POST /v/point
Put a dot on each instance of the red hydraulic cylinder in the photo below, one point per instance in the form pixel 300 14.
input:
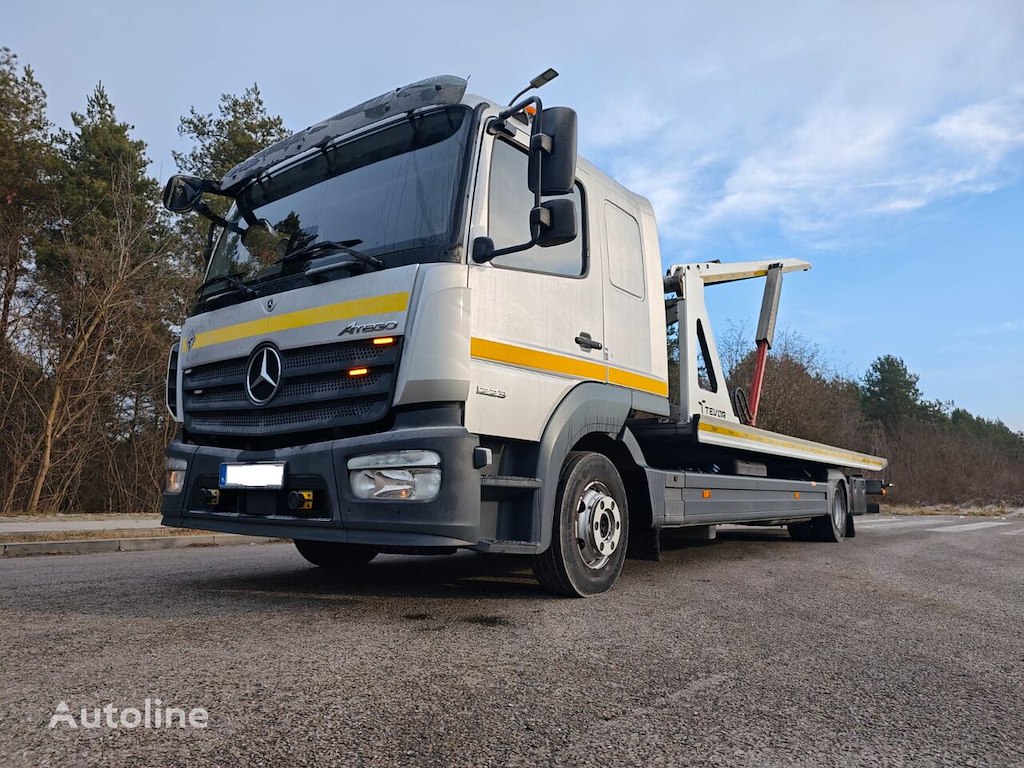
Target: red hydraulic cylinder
pixel 758 380
pixel 765 333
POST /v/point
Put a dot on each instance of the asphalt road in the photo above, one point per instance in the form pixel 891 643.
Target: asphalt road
pixel 904 646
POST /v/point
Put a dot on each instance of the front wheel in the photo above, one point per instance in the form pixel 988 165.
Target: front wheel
pixel 590 529
pixel 335 555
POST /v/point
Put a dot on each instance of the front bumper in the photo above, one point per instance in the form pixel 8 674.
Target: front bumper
pixel 453 519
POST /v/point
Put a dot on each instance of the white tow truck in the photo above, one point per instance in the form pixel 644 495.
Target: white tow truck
pixel 428 325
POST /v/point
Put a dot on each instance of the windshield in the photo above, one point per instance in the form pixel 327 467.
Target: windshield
pixel 389 195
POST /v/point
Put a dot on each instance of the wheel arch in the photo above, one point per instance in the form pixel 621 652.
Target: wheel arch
pixel 591 417
pixel 624 454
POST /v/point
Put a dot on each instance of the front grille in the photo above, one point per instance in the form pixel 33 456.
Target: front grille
pixel 315 393
pixel 257 422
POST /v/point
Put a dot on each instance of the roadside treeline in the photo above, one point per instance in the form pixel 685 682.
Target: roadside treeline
pixel 937 453
pixel 95 278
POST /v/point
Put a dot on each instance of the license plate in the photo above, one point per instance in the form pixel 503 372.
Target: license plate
pixel 252 475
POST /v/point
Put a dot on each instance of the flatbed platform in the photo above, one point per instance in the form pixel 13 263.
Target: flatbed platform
pixel 722 433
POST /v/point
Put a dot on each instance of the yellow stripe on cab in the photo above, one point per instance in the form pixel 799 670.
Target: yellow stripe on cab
pixel 328 313
pixel 550 362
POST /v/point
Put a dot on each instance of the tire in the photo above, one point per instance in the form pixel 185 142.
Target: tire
pixel 801 531
pixel 335 555
pixel 832 527
pixel 590 530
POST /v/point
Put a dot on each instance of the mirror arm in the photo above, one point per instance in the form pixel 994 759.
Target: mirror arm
pixel 540 217
pixel 213 187
pixel 540 142
pixel 204 210
pixel 519 107
pixel 483 258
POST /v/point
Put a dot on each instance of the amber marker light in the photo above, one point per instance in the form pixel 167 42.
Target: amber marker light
pixel 358 371
pixel 384 340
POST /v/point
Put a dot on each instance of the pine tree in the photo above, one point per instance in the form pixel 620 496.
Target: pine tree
pixel 103 290
pixel 889 392
pixel 241 129
pixel 26 161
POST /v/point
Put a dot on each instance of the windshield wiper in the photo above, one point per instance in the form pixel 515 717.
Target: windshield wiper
pixel 345 246
pixel 234 278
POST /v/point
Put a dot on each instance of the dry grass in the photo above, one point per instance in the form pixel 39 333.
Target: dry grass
pixel 51 518
pixel 130 533
pixel 963 510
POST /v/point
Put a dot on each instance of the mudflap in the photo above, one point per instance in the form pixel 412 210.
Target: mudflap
pixel 850 531
pixel 644 545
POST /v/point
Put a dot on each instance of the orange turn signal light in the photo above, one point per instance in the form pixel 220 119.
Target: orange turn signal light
pixel 384 340
pixel 358 371
pixel 706 494
pixel 530 109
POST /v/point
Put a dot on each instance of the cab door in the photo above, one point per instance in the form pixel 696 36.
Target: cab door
pixel 634 340
pixel 537 319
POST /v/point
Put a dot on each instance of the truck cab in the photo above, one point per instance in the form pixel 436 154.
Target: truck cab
pixel 427 325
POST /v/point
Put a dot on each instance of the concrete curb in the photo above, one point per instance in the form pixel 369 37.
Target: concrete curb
pixel 94 546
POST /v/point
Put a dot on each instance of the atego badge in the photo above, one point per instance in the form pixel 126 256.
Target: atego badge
pixel 358 328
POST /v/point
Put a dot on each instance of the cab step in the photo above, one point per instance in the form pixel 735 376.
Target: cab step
pixel 507 547
pixel 501 487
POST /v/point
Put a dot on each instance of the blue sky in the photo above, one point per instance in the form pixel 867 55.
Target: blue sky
pixel 883 141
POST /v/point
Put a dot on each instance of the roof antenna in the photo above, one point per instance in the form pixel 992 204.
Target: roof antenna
pixel 543 78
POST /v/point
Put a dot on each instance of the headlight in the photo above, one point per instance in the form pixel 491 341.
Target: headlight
pixel 401 475
pixel 175 469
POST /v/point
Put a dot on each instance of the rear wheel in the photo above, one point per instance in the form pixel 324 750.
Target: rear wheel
pixel 335 555
pixel 833 527
pixel 590 529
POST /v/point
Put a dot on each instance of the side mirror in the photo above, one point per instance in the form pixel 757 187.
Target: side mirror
pixel 483 250
pixel 557 219
pixel 182 193
pixel 553 145
pixel 554 222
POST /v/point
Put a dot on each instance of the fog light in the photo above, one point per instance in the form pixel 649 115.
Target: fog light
pixel 401 475
pixel 300 500
pixel 175 469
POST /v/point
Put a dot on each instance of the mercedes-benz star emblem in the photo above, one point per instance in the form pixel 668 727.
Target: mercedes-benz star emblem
pixel 263 375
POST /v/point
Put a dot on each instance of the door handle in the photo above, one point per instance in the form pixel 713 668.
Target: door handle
pixel 586 342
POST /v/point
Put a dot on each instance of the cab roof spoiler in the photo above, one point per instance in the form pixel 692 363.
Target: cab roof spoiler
pixel 434 91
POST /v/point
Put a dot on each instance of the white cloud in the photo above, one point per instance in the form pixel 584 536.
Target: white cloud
pixel 995 329
pixel 820 120
pixel 990 129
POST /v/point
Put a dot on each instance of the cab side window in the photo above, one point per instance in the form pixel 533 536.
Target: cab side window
pixel 509 218
pixel 625 250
